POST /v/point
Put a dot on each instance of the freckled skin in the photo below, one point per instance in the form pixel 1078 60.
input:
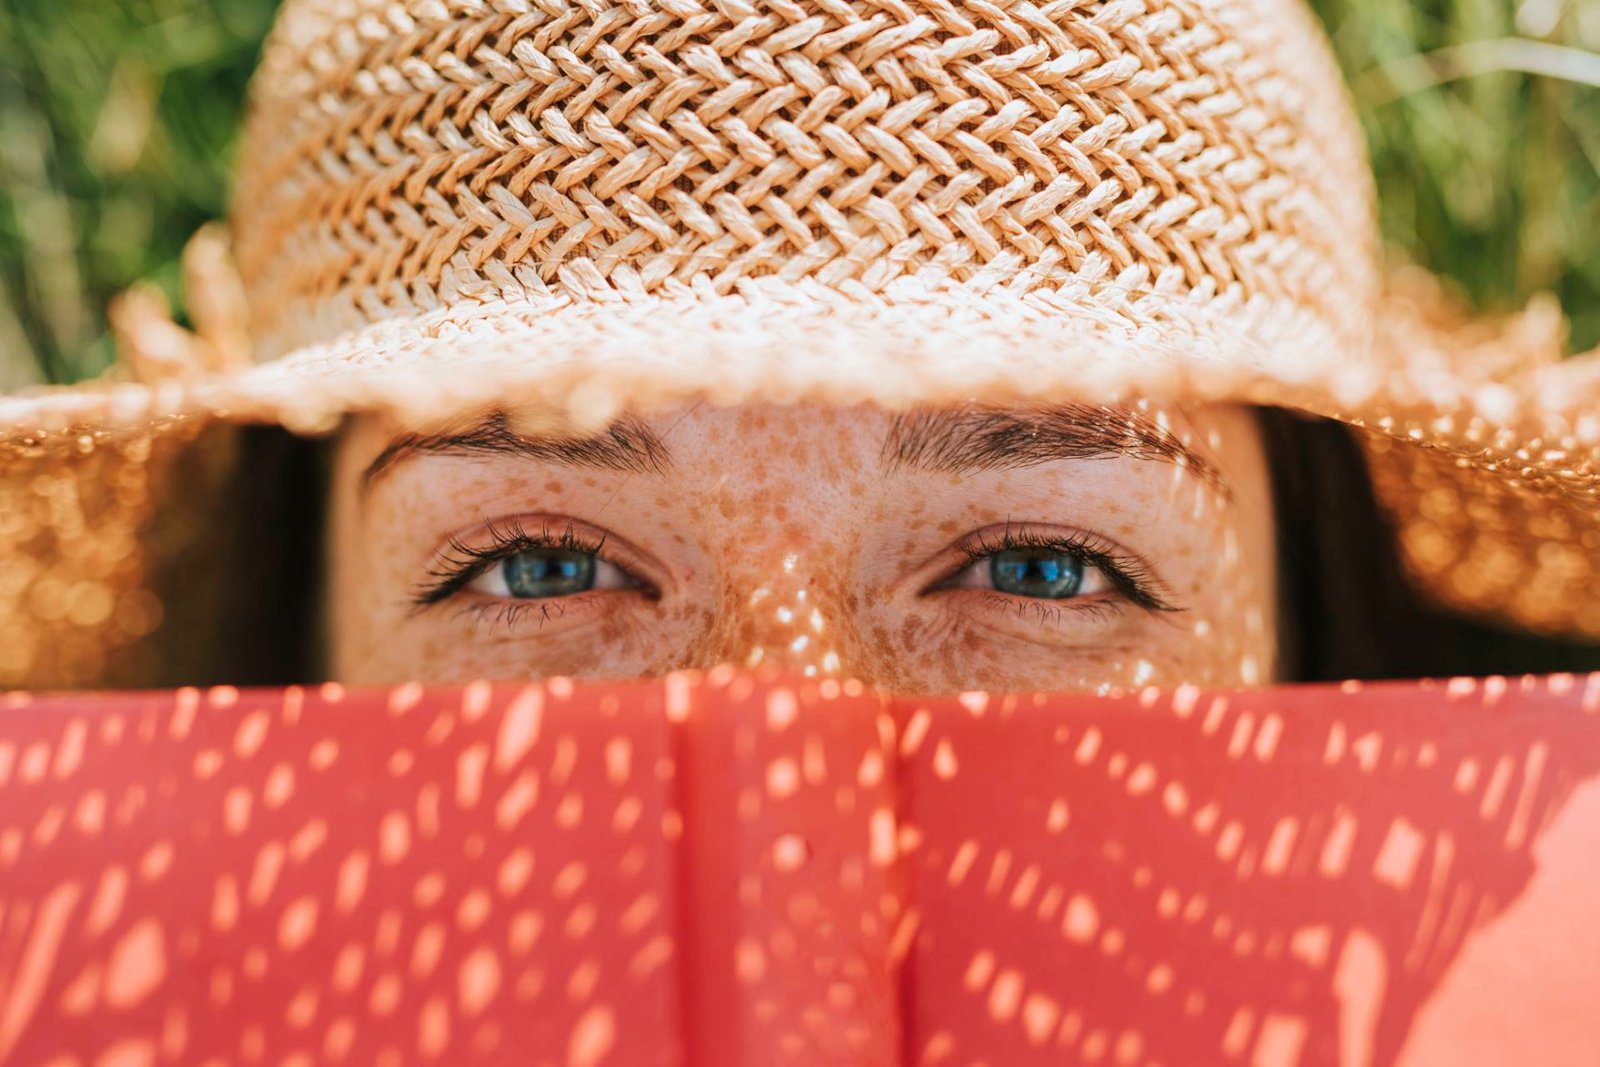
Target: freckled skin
pixel 777 537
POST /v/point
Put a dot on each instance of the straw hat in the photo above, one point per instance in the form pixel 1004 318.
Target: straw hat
pixel 618 203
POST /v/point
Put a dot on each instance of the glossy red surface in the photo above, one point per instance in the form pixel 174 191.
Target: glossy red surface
pixel 726 871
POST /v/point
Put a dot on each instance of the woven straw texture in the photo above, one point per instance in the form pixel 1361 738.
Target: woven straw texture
pixel 405 157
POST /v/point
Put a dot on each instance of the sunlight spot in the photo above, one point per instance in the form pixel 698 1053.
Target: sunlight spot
pixel 790 852
pixel 1039 1015
pixel 351 884
pixel 975 702
pixel 519 728
pixel 782 709
pixel 961 865
pixel 591 1038
pixel 517 800
pixel 394 837
pixel 108 899
pixel 138 964
pixel 297 924
pixel 916 731
pixel 515 870
pixel 475 701
pixel 979 970
pixel 478 981
pixel 251 734
pixel 264 875
pixel 1399 854
pixel 783 777
pixel 750 962
pixel 133 1052
pixel 1005 996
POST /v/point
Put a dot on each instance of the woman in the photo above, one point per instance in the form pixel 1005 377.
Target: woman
pixel 947 346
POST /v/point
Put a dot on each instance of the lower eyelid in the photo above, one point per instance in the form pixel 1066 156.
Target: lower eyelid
pixel 1087 615
pixel 508 612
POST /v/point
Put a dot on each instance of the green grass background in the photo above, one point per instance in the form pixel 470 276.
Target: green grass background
pixel 117 119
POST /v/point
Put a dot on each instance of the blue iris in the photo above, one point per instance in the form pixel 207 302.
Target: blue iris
pixel 548 572
pixel 1036 572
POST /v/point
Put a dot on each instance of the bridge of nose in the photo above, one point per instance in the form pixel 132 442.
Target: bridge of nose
pixel 783 602
pixel 785 515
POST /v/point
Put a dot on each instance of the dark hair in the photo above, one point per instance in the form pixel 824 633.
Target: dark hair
pixel 1347 609
pixel 241 595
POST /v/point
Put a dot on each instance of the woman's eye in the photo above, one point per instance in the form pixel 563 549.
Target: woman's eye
pixel 1038 573
pixel 543 573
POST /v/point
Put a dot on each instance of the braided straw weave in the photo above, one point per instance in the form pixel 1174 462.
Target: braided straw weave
pixel 619 203
pixel 404 157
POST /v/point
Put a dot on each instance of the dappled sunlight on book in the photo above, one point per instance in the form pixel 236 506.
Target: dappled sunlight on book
pixel 730 870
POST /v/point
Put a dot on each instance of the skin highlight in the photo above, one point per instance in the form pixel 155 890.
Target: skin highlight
pixel 816 540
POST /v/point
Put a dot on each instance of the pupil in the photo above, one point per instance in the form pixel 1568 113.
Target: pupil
pixel 1034 572
pixel 547 573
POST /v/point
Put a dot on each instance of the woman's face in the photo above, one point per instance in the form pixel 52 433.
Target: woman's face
pixel 936 550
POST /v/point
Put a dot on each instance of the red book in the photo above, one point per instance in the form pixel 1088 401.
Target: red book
pixel 729 871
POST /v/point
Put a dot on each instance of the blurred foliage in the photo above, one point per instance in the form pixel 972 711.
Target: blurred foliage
pixel 1483 118
pixel 116 120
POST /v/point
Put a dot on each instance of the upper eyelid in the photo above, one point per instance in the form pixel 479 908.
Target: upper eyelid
pixel 517 534
pixel 1130 573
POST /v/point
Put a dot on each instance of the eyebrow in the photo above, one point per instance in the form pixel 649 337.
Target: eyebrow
pixel 965 440
pixel 627 445
pixel 970 440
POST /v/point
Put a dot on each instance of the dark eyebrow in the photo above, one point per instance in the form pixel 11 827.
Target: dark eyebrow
pixel 627 445
pixel 967 440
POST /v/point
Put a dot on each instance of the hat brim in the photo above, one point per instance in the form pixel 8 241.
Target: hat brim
pixel 774 343
pixel 1484 448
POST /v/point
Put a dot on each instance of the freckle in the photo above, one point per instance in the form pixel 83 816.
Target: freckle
pixel 908 635
pixel 794 534
pixel 727 506
pixel 552 487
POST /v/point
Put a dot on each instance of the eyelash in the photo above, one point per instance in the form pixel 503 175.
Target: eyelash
pixel 1129 575
pixel 460 564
